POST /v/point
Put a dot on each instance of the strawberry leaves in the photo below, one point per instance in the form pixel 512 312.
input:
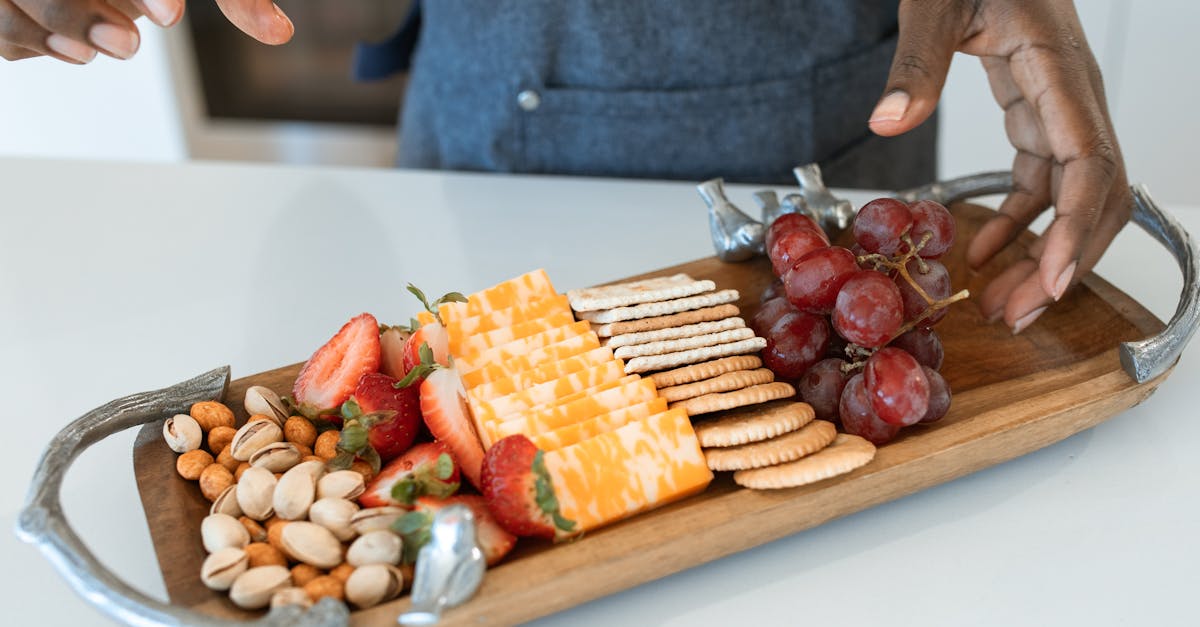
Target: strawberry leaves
pixel 420 371
pixel 544 495
pixel 422 481
pixel 450 297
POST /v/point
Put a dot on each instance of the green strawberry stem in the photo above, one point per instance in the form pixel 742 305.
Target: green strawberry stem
pixel 421 370
pixel 449 297
pixel 546 499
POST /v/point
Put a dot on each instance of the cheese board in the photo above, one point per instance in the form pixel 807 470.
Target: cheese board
pixel 1012 395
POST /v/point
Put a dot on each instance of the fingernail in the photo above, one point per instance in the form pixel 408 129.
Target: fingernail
pixel 70 48
pixel 117 41
pixel 1064 280
pixel 163 12
pixel 282 16
pixel 891 108
pixel 1027 319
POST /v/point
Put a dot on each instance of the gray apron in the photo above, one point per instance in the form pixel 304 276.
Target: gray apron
pixel 669 89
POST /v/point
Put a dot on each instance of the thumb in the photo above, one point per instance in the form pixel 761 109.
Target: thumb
pixel 261 19
pixel 929 34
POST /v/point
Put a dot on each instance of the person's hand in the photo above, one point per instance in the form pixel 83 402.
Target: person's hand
pixel 1044 76
pixel 74 30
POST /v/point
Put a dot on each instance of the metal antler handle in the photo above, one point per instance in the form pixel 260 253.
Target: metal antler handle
pixel 43 524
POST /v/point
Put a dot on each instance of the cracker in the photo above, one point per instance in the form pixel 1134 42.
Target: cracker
pixel 650 363
pixel 846 453
pixel 719 401
pixel 683 343
pixel 674 333
pixel 635 292
pixel 721 383
pixel 660 308
pixel 753 424
pixel 706 370
pixel 788 447
pixel 707 314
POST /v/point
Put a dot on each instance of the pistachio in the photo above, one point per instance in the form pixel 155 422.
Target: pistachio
pixel 296 490
pixel 252 437
pixel 376 518
pixel 334 515
pixel 312 544
pixel 340 484
pixel 264 401
pixel 222 567
pixel 374 547
pixel 182 433
pixel 219 531
pixel 254 588
pixel 226 503
pixel 255 492
pixel 291 596
pixel 277 456
pixel 374 584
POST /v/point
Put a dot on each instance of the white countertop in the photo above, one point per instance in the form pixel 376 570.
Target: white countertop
pixel 118 278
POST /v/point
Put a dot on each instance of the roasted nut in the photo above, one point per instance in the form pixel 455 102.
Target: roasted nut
pixel 409 571
pixel 214 480
pixel 371 585
pixel 242 466
pixel 376 518
pixel 324 586
pixel 255 587
pixel 252 437
pixel 220 531
pixel 304 450
pixel 220 437
pixel 342 572
pixel 313 458
pixel 255 493
pixel 277 456
pixel 275 535
pixel 225 458
pixel 312 544
pixel 226 503
pixel 363 468
pixel 220 569
pixel 263 554
pixel 264 402
pixel 304 573
pixel 257 532
pixel 291 596
pixel 325 446
pixel 298 430
pixel 340 484
pixel 192 464
pixel 374 547
pixel 182 433
pixel 297 490
pixel 334 515
pixel 211 414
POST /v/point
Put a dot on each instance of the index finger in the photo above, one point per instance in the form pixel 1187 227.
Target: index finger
pixel 261 19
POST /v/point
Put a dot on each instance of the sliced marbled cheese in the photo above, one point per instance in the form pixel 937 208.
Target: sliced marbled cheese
pixel 592 427
pixel 541 374
pixel 642 465
pixel 550 392
pixel 461 329
pixel 556 416
pixel 519 347
pixel 527 287
pixel 555 352
pixel 474 344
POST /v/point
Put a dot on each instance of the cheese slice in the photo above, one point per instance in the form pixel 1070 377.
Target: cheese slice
pixel 527 287
pixel 592 427
pixel 578 410
pixel 469 345
pixel 519 347
pixel 463 328
pixel 642 465
pixel 550 392
pixel 545 372
pixel 555 352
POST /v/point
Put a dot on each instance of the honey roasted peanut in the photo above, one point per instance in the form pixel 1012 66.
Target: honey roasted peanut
pixel 257 532
pixel 325 446
pixel 325 586
pixel 242 466
pixel 342 572
pixel 220 437
pixel 263 554
pixel 192 464
pixel 225 458
pixel 304 573
pixel 298 430
pixel 212 414
pixel 214 480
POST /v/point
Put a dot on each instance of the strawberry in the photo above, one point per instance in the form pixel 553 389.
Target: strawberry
pixel 414 527
pixel 444 408
pixel 392 342
pixel 329 377
pixel 391 416
pixel 519 492
pixel 425 469
pixel 435 336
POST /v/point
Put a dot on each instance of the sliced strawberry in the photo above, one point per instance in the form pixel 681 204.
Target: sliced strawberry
pixel 426 469
pixel 519 492
pixel 395 412
pixel 329 377
pixel 491 538
pixel 444 407
pixel 392 343
pixel 438 340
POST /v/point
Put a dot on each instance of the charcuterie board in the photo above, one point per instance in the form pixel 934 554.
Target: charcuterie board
pixel 1012 395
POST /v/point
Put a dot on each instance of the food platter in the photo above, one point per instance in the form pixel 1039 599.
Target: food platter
pixel 1012 395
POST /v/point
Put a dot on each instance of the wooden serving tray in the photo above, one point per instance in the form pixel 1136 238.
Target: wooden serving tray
pixel 1012 395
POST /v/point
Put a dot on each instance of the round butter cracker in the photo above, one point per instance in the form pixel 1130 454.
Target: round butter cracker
pixel 788 447
pixel 720 401
pixel 846 453
pixel 753 424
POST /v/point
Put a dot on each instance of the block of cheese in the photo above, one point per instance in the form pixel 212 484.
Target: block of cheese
pixel 523 289
pixel 555 416
pixel 546 354
pixel 545 372
pixel 642 465
pixel 474 344
pixel 592 427
pixel 549 392
pixel 520 347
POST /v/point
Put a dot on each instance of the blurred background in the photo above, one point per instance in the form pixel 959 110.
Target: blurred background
pixel 205 91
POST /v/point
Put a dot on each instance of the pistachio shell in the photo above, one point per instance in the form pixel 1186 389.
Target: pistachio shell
pixel 374 547
pixel 226 503
pixel 312 544
pixel 255 493
pixel 373 584
pixel 296 490
pixel 335 515
pixel 277 456
pixel 220 531
pixel 264 401
pixel 341 484
pixel 182 433
pixel 254 588
pixel 291 596
pixel 224 566
pixel 252 437
pixel 376 518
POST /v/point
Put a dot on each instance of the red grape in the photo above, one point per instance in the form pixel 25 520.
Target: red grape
pixel 924 345
pixel 897 386
pixel 770 313
pixel 794 343
pixel 939 396
pixel 859 418
pixel 773 290
pixel 868 310
pixel 791 245
pixel 879 225
pixel 789 221
pixel 812 284
pixel 822 387
pixel 935 282
pixel 931 217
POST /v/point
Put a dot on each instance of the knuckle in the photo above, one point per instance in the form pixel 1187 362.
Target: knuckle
pixel 913 65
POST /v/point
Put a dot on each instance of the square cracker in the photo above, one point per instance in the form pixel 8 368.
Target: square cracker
pixel 683 343
pixel 674 333
pixel 651 363
pixel 708 314
pixel 660 308
pixel 635 292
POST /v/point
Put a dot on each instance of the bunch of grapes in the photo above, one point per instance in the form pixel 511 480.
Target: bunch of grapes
pixel 854 327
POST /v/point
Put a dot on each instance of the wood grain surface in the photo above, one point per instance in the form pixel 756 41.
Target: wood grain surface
pixel 1012 395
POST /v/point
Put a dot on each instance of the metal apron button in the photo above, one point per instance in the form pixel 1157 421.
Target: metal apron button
pixel 529 100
